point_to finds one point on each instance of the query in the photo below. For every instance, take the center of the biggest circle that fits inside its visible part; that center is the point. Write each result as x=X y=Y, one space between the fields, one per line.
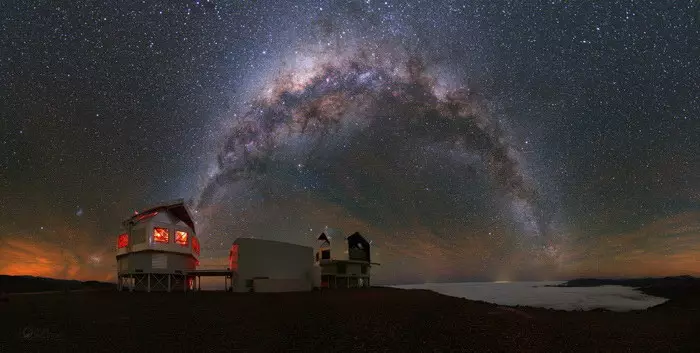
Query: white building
x=271 y=266
x=157 y=249
x=346 y=263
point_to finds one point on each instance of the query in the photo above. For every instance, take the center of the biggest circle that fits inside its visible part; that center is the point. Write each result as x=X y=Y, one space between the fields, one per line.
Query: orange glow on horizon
x=669 y=246
x=21 y=257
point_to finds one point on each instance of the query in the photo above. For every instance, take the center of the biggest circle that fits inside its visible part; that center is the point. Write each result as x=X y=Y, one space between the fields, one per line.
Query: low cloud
x=616 y=298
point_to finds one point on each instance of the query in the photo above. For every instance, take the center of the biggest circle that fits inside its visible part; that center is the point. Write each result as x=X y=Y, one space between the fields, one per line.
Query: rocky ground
x=376 y=319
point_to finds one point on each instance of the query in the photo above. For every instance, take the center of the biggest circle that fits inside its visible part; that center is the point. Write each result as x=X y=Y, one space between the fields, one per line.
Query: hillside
x=679 y=288
x=30 y=284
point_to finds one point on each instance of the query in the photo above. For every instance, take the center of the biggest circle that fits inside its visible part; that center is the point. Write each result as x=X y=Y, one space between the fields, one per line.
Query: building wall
x=123 y=264
x=339 y=249
x=351 y=269
x=154 y=261
x=141 y=235
x=273 y=260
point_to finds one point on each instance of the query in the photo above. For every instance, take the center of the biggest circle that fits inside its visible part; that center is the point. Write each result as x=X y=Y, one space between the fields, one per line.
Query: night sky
x=469 y=140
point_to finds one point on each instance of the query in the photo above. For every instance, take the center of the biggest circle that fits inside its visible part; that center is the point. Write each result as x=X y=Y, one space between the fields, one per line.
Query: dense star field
x=468 y=139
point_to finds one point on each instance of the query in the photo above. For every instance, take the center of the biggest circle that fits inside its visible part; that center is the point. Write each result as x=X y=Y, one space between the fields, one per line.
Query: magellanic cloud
x=73 y=257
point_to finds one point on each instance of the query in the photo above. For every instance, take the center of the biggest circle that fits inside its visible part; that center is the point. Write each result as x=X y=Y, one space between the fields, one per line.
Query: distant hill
x=633 y=282
x=678 y=288
x=29 y=284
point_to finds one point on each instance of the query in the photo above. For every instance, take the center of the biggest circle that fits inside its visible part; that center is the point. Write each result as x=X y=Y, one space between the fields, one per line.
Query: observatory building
x=344 y=264
x=158 y=250
x=260 y=265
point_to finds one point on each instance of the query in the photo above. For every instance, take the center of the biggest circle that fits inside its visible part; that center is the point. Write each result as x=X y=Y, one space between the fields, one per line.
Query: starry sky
x=469 y=140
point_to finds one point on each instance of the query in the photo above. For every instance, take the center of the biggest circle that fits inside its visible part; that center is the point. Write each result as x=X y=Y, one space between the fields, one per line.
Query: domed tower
x=344 y=264
x=157 y=249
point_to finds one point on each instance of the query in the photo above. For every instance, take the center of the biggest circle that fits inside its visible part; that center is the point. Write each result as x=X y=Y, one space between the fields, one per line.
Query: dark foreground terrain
x=377 y=319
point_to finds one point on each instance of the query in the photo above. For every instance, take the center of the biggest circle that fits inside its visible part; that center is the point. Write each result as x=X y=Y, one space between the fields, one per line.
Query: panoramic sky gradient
x=469 y=140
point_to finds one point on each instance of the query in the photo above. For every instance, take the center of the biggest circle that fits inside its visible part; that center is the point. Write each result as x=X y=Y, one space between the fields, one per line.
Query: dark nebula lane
x=362 y=127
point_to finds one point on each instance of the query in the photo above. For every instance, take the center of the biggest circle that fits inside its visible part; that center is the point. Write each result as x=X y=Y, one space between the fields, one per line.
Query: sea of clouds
x=537 y=294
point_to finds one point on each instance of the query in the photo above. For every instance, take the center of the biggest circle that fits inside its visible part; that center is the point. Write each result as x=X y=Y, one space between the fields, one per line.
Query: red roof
x=177 y=208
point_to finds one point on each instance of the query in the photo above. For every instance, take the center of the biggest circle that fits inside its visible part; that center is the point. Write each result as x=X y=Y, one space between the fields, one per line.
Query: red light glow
x=181 y=238
x=146 y=216
x=122 y=241
x=160 y=235
x=233 y=257
x=195 y=245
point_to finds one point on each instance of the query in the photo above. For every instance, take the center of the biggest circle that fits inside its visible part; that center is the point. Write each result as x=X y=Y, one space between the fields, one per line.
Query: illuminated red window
x=181 y=238
x=233 y=258
x=122 y=241
x=195 y=245
x=160 y=235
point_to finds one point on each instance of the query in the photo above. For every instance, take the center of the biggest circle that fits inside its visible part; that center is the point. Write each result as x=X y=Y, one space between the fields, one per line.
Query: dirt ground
x=376 y=319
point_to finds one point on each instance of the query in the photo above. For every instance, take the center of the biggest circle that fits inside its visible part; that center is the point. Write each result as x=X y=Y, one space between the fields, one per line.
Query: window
x=160 y=235
x=364 y=269
x=122 y=241
x=181 y=237
x=342 y=268
x=325 y=254
x=140 y=234
x=195 y=245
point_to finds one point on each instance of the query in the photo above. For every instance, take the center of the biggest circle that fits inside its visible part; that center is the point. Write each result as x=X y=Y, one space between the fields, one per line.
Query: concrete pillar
x=148 y=279
x=168 y=282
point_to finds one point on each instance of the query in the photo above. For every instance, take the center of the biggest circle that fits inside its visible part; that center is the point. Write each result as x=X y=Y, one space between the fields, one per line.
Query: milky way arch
x=358 y=97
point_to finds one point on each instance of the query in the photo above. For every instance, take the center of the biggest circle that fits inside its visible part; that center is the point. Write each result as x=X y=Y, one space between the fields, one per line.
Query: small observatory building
x=260 y=265
x=344 y=264
x=157 y=249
